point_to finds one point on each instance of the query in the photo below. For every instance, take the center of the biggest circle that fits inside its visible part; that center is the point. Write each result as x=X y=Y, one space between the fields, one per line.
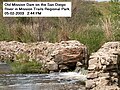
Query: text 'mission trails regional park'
x=36 y=9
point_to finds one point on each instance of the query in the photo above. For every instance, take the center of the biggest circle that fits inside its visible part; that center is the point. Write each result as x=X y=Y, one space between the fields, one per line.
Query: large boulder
x=68 y=53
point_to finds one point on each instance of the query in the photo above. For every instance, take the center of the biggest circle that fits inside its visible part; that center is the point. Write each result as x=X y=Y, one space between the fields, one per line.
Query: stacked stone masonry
x=104 y=68
x=53 y=56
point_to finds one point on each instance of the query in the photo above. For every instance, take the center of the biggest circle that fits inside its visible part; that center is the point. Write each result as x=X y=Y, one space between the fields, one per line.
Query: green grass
x=26 y=67
x=4 y=33
x=92 y=37
x=84 y=15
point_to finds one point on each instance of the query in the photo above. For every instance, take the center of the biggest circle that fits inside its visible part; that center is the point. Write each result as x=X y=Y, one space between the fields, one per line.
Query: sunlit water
x=53 y=81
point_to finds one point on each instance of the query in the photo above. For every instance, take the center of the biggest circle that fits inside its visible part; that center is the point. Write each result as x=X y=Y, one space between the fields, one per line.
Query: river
x=53 y=81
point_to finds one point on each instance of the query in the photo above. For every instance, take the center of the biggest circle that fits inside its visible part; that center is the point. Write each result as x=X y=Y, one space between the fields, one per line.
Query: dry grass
x=84 y=25
x=107 y=28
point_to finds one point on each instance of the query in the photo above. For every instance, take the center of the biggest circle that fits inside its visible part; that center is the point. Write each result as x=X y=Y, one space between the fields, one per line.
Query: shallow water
x=53 y=81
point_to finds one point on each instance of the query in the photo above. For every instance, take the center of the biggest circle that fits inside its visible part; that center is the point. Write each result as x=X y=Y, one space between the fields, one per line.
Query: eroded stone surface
x=51 y=55
x=106 y=64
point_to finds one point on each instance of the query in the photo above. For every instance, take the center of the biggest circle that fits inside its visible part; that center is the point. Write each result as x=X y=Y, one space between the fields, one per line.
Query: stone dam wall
x=104 y=68
x=53 y=56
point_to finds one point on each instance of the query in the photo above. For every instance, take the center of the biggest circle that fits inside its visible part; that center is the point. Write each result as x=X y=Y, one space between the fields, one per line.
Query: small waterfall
x=53 y=81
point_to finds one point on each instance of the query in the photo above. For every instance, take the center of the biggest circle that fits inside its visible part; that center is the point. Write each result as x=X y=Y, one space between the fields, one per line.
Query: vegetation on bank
x=24 y=65
x=92 y=24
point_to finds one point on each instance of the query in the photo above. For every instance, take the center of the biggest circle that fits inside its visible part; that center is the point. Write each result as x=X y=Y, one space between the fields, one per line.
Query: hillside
x=92 y=24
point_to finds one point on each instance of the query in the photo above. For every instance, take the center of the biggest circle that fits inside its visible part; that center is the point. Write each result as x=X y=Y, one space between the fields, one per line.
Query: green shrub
x=92 y=37
x=115 y=9
x=26 y=67
x=4 y=33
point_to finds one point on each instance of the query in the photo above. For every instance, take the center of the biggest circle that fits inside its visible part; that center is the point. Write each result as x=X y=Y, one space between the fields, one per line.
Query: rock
x=92 y=67
x=103 y=81
x=65 y=53
x=78 y=64
x=92 y=75
x=63 y=67
x=52 y=66
x=103 y=61
x=114 y=59
x=90 y=84
x=69 y=53
x=104 y=67
x=107 y=75
x=91 y=61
